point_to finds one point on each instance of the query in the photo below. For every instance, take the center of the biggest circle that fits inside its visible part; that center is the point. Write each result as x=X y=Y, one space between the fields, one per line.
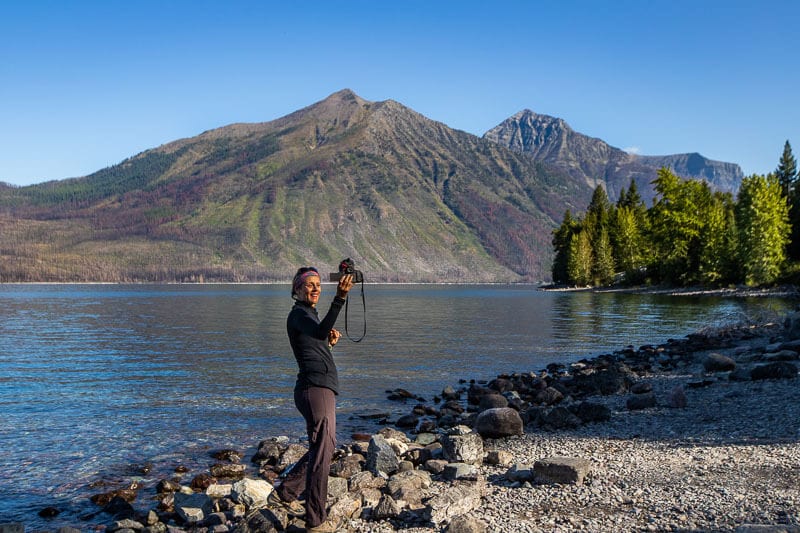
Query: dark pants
x=318 y=407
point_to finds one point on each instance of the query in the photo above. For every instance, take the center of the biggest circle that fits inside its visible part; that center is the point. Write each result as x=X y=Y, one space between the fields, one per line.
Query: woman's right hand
x=345 y=284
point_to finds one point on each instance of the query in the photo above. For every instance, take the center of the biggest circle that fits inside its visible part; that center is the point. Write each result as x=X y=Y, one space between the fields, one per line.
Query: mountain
x=408 y=198
x=551 y=141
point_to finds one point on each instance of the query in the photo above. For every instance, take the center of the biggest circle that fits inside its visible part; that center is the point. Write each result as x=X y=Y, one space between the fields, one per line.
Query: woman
x=314 y=395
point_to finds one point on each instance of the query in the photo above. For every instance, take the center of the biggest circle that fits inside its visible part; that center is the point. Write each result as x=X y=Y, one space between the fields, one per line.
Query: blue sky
x=85 y=84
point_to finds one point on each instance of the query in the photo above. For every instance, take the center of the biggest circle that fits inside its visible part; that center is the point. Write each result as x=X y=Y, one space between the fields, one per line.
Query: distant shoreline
x=740 y=292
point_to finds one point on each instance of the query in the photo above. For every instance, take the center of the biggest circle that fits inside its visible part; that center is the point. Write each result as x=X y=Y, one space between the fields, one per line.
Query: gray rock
x=638 y=402
x=193 y=508
x=560 y=418
x=381 y=456
x=740 y=374
x=499 y=422
x=256 y=522
x=463 y=471
x=777 y=370
x=466 y=524
x=782 y=355
x=348 y=506
x=337 y=487
x=217 y=490
x=520 y=472
x=365 y=480
x=228 y=470
x=435 y=466
x=423 y=439
x=716 y=362
x=348 y=466
x=563 y=470
x=677 y=398
x=407 y=421
x=491 y=401
x=387 y=508
x=466 y=448
x=448 y=393
x=127 y=524
x=269 y=452
x=549 y=396
x=499 y=458
x=767 y=528
x=293 y=453
x=251 y=492
x=409 y=486
x=456 y=500
x=792 y=325
x=641 y=387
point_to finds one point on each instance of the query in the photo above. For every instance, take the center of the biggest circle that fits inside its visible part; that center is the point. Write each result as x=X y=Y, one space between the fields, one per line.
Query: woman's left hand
x=333 y=337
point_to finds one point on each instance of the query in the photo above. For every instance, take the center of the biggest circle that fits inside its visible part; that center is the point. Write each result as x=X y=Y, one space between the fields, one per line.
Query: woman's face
x=310 y=290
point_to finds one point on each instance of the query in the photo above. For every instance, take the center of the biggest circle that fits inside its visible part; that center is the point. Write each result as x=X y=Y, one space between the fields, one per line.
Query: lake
x=97 y=378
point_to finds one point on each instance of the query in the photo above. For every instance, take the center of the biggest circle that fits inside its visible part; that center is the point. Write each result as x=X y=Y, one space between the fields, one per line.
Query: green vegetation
x=690 y=235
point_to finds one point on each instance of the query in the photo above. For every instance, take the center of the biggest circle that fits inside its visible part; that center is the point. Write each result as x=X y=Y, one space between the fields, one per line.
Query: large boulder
x=251 y=492
x=563 y=470
x=499 y=422
x=467 y=448
x=381 y=457
x=637 y=402
x=193 y=508
x=456 y=500
x=716 y=362
x=491 y=401
x=776 y=370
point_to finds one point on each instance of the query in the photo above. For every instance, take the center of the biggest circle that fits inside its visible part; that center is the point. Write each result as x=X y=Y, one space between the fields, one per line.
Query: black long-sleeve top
x=309 y=339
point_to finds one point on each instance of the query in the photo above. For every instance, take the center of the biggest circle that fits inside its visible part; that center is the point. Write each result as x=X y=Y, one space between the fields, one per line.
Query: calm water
x=94 y=379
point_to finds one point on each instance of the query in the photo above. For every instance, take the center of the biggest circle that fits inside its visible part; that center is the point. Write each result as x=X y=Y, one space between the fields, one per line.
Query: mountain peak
x=550 y=140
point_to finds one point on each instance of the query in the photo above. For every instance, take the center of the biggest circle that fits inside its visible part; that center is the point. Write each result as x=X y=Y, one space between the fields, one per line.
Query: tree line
x=690 y=235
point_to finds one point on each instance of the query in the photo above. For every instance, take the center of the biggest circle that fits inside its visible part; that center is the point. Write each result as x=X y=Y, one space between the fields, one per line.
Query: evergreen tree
x=580 y=259
x=763 y=222
x=788 y=177
x=629 y=246
x=718 y=247
x=603 y=264
x=678 y=219
x=562 y=237
x=787 y=171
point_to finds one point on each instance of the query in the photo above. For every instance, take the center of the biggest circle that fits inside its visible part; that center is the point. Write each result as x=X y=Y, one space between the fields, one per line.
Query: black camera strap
x=364 y=305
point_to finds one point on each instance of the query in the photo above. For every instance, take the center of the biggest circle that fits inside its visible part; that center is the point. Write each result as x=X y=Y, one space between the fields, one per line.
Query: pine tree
x=603 y=264
x=677 y=219
x=788 y=177
x=562 y=237
x=763 y=222
x=787 y=171
x=629 y=246
x=580 y=259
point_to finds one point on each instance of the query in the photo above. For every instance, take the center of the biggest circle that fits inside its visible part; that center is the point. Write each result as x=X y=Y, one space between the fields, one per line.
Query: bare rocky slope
x=550 y=140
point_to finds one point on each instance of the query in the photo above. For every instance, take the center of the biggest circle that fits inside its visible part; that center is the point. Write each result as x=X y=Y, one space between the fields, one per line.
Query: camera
x=347 y=267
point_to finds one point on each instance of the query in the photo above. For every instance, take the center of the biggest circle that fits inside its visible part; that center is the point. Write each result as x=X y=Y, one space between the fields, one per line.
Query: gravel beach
x=727 y=461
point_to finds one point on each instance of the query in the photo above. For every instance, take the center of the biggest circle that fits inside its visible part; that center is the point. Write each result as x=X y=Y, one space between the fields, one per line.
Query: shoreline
x=725 y=459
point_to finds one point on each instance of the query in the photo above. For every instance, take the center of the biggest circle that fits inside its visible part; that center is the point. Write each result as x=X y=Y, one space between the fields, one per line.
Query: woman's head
x=306 y=285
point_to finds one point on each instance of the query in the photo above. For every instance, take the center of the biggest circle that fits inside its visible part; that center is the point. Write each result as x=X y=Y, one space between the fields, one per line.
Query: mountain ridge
x=407 y=197
x=552 y=141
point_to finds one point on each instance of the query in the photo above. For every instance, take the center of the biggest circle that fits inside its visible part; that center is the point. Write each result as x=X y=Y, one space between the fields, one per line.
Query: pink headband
x=302 y=278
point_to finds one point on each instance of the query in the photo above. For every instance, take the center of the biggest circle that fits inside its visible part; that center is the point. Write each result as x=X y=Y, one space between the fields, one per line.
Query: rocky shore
x=698 y=434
